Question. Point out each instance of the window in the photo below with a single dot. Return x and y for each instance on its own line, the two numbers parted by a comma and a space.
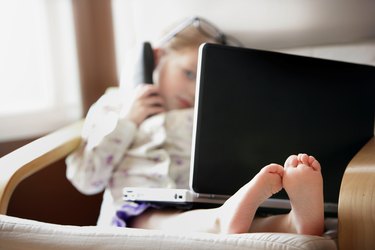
39, 81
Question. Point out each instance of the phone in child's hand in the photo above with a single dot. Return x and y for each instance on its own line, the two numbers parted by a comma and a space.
145, 64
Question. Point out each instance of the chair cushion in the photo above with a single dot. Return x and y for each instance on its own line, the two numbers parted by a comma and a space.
17, 233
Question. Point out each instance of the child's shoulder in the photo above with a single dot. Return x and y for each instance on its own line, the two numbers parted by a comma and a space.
111, 100
113, 94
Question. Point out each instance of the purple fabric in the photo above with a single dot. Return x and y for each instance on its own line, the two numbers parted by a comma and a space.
127, 212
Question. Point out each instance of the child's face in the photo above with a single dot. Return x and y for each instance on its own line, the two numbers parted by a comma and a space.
175, 76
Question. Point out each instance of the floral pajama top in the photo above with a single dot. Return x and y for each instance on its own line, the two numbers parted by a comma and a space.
115, 153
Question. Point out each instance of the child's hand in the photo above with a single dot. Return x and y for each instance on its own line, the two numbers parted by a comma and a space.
147, 102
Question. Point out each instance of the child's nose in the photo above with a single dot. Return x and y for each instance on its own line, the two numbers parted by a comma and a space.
191, 90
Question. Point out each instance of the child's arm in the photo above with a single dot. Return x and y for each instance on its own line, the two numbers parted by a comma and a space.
106, 138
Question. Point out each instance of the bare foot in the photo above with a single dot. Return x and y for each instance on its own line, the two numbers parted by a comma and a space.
237, 213
303, 182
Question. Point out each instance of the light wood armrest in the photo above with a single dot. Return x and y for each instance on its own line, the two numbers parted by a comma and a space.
356, 212
35, 156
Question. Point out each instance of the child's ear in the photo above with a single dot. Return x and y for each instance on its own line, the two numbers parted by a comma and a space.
158, 53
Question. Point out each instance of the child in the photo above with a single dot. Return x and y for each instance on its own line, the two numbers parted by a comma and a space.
145, 141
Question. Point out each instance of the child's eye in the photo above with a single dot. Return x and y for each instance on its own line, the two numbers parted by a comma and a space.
190, 74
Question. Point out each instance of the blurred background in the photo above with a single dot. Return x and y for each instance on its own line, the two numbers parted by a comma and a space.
56, 58
48, 48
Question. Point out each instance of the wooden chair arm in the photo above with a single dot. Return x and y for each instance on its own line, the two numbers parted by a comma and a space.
23, 162
356, 211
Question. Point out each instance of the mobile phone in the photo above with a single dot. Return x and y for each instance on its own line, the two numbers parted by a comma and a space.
145, 64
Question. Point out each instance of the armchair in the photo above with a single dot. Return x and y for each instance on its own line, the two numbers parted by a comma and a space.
17, 233
356, 209
306, 30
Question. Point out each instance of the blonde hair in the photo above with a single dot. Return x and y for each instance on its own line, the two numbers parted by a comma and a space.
191, 37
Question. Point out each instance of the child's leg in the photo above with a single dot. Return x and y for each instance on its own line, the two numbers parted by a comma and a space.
303, 182
234, 216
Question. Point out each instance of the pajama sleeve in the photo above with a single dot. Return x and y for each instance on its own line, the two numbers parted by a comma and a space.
106, 138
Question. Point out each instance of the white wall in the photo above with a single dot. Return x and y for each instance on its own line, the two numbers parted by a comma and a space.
266, 24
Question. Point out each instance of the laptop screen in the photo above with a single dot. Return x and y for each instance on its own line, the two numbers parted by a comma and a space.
258, 107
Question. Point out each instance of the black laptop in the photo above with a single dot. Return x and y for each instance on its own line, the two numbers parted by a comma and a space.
256, 107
